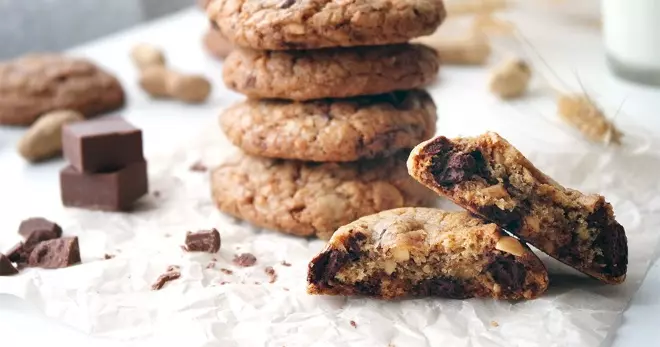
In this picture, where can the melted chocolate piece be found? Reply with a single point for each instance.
(612, 241)
(450, 166)
(353, 245)
(442, 287)
(508, 273)
(369, 287)
(509, 220)
(324, 267)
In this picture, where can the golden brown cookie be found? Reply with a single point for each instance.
(313, 199)
(491, 178)
(35, 84)
(412, 252)
(331, 129)
(329, 73)
(312, 24)
(216, 44)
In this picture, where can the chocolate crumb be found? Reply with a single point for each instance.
(198, 167)
(171, 274)
(494, 324)
(223, 283)
(353, 324)
(226, 271)
(244, 260)
(285, 263)
(108, 256)
(203, 241)
(271, 274)
(210, 265)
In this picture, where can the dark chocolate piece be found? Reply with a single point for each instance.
(198, 166)
(102, 145)
(112, 191)
(171, 274)
(353, 324)
(31, 225)
(244, 260)
(6, 267)
(55, 254)
(18, 254)
(203, 241)
(226, 271)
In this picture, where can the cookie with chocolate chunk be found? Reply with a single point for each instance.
(416, 252)
(331, 129)
(38, 83)
(490, 177)
(313, 199)
(329, 73)
(312, 24)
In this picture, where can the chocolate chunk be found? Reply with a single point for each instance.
(110, 191)
(18, 254)
(510, 220)
(353, 245)
(244, 260)
(271, 274)
(171, 274)
(108, 256)
(508, 273)
(203, 241)
(441, 287)
(353, 324)
(324, 267)
(457, 167)
(6, 267)
(611, 240)
(102, 145)
(31, 225)
(54, 254)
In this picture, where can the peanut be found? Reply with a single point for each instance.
(473, 49)
(510, 245)
(160, 82)
(43, 140)
(510, 79)
(145, 55)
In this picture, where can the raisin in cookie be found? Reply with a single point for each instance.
(411, 252)
(312, 24)
(35, 84)
(491, 178)
(217, 45)
(308, 199)
(331, 129)
(329, 73)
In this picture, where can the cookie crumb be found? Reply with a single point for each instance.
(494, 324)
(353, 324)
(171, 274)
(244, 260)
(271, 274)
(285, 263)
(108, 256)
(226, 271)
(198, 167)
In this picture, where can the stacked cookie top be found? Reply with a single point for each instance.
(326, 81)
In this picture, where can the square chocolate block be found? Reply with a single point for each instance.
(108, 191)
(102, 145)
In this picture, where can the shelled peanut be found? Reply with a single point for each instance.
(510, 78)
(43, 140)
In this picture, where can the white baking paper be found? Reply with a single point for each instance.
(113, 299)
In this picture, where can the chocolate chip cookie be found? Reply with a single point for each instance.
(329, 73)
(413, 252)
(35, 84)
(331, 129)
(216, 44)
(491, 178)
(312, 24)
(308, 199)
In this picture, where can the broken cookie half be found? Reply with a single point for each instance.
(417, 252)
(489, 177)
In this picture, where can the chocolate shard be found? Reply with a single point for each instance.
(54, 254)
(203, 241)
(6, 267)
(18, 254)
(39, 224)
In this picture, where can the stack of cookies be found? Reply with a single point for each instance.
(332, 112)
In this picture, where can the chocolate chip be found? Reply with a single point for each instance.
(510, 220)
(6, 267)
(324, 267)
(244, 260)
(611, 240)
(441, 287)
(203, 241)
(287, 3)
(54, 254)
(39, 224)
(508, 273)
(353, 245)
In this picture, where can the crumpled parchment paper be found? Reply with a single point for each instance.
(113, 299)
